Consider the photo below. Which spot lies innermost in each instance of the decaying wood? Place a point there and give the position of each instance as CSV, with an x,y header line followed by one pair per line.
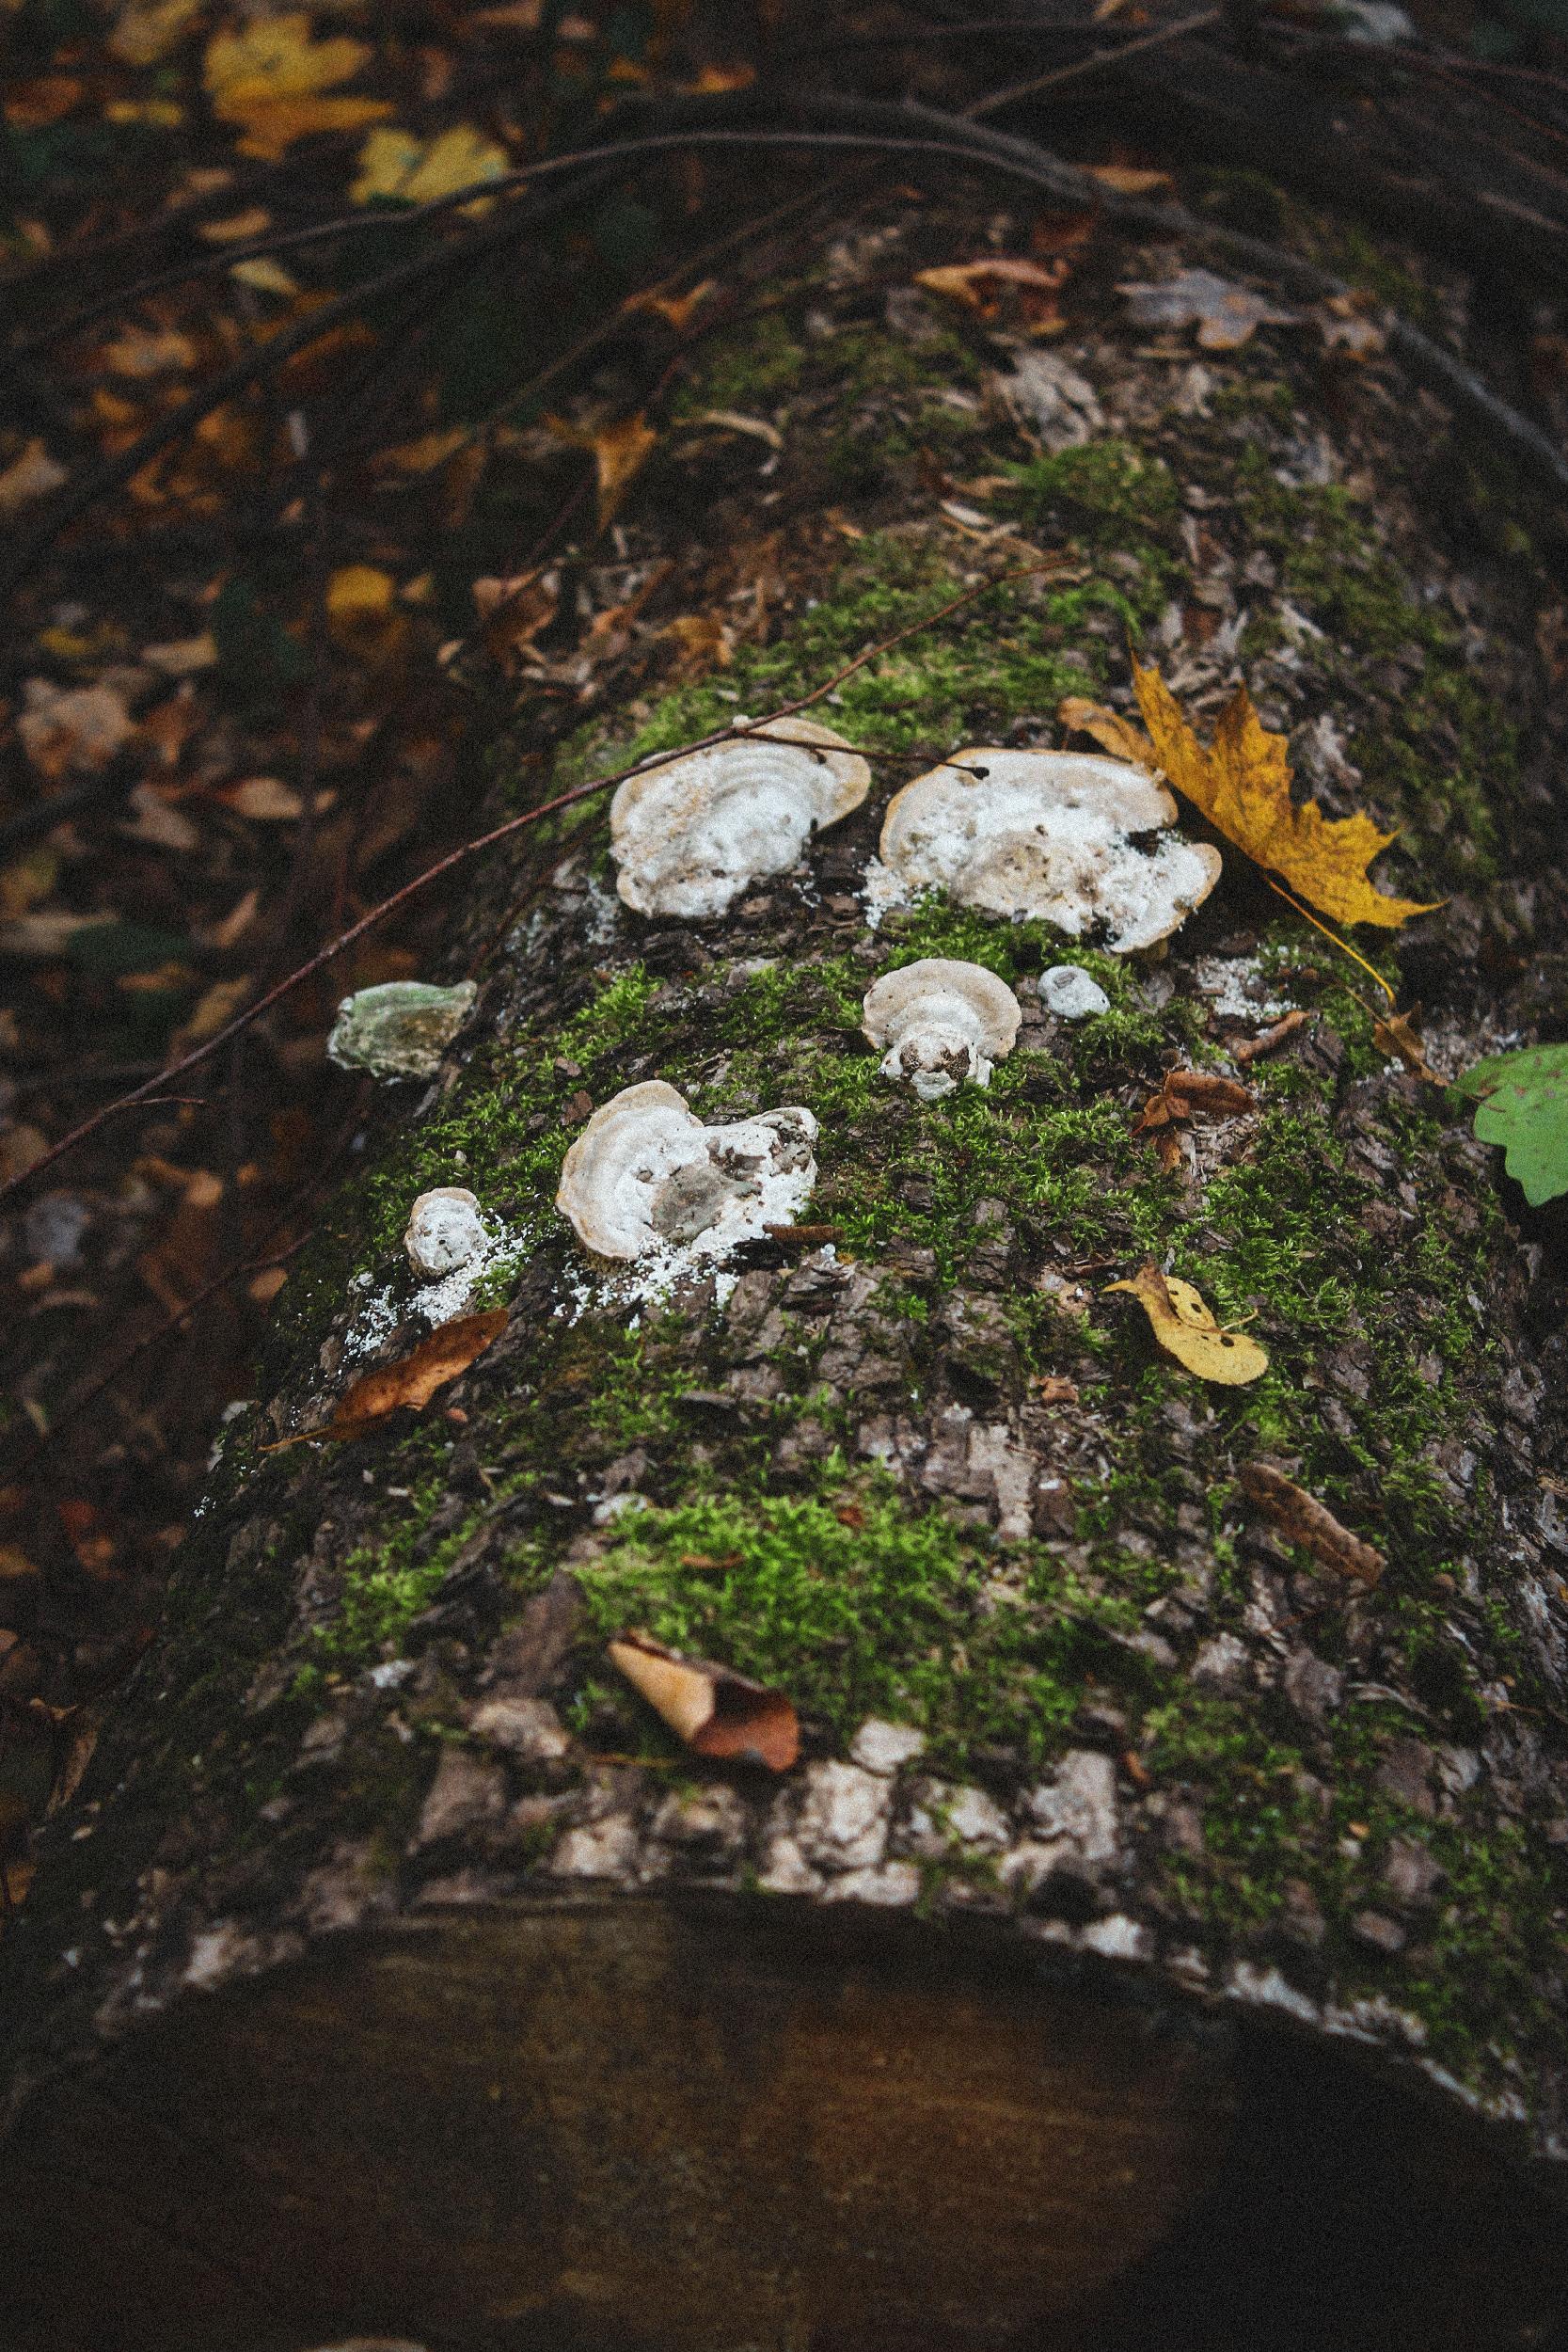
x,y
414,1983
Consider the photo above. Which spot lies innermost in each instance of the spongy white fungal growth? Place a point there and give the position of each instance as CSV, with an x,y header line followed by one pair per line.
x,y
646,1179
1047,835
445,1231
691,833
941,1022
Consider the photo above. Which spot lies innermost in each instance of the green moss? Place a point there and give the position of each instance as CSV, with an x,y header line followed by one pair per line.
x,y
996,661
854,1603
741,370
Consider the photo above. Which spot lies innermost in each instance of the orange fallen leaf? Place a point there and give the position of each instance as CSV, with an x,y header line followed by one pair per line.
x,y
1301,1519
1242,784
715,1711
978,284
676,310
620,452
1185,1328
32,105
411,1383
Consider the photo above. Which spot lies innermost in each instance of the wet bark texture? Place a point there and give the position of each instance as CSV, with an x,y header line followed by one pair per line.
x,y
1157,1921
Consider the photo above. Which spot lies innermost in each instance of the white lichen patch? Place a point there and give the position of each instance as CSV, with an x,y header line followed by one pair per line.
x,y
400,1030
1237,989
941,1023
1066,838
690,834
647,1183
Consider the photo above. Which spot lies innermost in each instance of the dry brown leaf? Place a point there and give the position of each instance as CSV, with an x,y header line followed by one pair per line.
x,y
1185,1328
1226,316
264,800
1270,1040
1301,1519
1192,1094
1123,738
411,1383
716,1711
1131,179
1395,1036
1242,784
31,476
515,610
71,731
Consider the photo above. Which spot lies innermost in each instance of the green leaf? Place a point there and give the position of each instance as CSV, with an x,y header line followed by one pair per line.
x,y
1526,1109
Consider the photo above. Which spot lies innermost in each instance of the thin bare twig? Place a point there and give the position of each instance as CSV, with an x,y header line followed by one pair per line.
x,y
1160,39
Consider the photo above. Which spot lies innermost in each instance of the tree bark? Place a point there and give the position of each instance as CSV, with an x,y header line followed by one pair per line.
x,y
1199,1952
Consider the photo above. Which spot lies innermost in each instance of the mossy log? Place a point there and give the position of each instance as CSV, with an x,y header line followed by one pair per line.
x,y
1160,1937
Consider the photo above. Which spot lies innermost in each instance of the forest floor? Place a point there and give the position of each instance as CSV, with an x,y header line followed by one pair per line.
x,y
254,684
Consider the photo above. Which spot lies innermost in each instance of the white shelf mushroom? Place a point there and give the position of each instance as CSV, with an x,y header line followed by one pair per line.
x,y
646,1175
941,1023
691,833
445,1231
1049,834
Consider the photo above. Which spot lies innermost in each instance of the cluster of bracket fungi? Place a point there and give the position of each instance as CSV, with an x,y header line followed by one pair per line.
x,y
1079,840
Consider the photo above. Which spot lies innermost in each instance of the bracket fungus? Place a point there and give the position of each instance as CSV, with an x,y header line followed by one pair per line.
x,y
399,1029
941,1023
1057,835
646,1176
445,1231
691,833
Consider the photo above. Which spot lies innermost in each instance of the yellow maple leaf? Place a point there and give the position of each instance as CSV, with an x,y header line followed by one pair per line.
x,y
1185,1328
394,162
1242,783
268,78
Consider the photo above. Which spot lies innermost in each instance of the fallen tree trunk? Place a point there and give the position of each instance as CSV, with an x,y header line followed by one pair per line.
x,y
1165,1916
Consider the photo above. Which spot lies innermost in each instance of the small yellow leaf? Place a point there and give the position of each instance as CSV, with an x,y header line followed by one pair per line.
x,y
1185,1328
1242,783
361,618
268,78
393,163
265,275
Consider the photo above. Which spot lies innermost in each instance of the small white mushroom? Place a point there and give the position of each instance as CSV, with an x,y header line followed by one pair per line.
x,y
941,1023
646,1175
445,1231
1071,993
1049,834
400,1030
691,833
